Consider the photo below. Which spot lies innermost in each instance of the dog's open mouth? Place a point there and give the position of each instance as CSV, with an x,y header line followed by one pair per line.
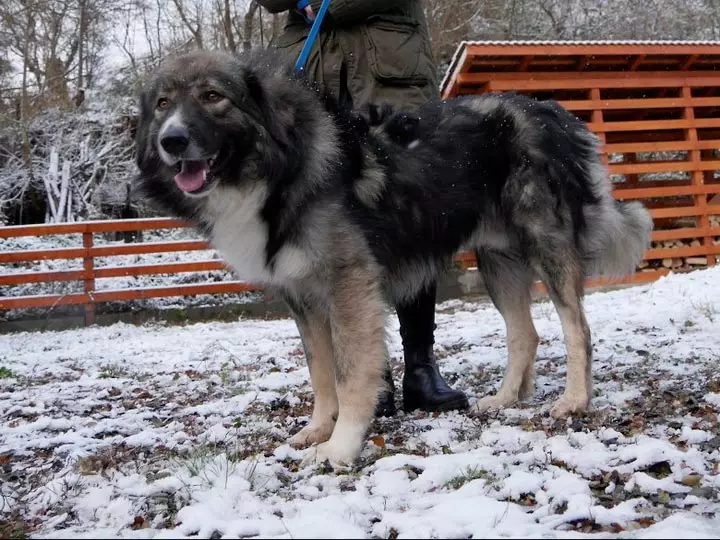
x,y
193,174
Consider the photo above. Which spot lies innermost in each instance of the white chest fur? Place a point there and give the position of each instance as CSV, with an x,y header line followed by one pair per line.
x,y
240,236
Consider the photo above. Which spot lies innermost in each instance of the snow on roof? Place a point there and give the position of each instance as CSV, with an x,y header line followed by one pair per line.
x,y
545,42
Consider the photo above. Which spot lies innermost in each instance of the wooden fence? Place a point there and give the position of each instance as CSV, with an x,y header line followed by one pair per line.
x,y
90,273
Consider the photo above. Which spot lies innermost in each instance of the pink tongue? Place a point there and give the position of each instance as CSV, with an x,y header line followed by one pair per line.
x,y
192,175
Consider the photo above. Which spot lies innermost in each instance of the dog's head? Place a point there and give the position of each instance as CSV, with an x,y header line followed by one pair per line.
x,y
203,115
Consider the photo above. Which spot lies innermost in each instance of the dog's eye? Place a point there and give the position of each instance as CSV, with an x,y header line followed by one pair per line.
x,y
163,103
211,96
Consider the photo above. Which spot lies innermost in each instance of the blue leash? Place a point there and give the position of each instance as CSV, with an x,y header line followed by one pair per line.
x,y
312,35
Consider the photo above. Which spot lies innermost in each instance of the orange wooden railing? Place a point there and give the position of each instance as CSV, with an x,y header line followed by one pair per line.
x,y
90,297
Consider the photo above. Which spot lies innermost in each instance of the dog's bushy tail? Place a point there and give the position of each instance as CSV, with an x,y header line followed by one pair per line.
x,y
616,233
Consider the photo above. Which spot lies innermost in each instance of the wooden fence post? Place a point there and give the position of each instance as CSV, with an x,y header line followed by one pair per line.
x,y
89,281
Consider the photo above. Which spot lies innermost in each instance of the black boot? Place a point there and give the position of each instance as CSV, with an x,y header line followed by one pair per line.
x,y
423,385
386,400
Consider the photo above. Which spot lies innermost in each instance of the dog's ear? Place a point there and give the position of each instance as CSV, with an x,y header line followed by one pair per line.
x,y
280,155
276,126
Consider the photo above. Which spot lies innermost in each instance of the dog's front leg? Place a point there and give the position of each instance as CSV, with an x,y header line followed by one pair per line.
x,y
357,319
317,341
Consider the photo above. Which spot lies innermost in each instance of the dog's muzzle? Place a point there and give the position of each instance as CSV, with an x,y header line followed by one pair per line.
x,y
192,164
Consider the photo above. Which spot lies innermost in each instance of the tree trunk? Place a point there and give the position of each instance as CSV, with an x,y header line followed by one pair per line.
x,y
228,27
81,45
24,91
247,34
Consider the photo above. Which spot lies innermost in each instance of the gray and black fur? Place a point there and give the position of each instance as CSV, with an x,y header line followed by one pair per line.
x,y
342,211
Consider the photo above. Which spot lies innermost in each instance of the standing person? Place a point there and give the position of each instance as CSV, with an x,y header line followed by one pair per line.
x,y
375,51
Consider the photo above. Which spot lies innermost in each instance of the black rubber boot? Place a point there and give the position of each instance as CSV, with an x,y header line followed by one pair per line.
x,y
386,400
423,385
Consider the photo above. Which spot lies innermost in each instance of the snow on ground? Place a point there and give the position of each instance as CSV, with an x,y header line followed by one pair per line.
x,y
179,431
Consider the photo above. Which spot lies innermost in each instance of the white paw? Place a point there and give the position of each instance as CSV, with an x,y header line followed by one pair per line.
x,y
568,405
311,434
498,401
339,455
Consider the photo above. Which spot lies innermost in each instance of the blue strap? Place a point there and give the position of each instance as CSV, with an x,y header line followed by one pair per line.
x,y
312,35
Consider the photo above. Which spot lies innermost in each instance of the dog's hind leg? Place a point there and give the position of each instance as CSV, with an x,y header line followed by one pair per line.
x,y
563,277
508,281
317,342
357,317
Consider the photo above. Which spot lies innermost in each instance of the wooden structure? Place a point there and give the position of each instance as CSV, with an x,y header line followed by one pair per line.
x,y
90,273
655,106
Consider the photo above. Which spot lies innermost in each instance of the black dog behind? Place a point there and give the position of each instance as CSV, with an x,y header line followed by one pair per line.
x,y
339,212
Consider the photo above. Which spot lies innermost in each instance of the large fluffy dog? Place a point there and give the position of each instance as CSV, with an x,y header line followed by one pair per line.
x,y
340,213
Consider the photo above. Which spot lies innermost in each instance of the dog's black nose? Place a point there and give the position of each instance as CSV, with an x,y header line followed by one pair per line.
x,y
175,140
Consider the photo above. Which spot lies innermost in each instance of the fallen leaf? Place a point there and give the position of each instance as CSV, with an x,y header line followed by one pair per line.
x,y
691,480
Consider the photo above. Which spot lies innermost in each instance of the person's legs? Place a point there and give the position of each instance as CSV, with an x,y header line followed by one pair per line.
x,y
423,385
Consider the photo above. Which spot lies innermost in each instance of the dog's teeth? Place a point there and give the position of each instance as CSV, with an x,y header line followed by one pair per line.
x,y
211,162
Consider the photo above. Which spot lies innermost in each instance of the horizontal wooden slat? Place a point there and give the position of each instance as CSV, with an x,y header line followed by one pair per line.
x,y
685,232
148,247
556,75
103,251
113,271
648,125
642,167
639,277
660,146
41,255
636,103
469,80
673,191
510,48
160,268
685,251
92,226
124,295
684,211
41,277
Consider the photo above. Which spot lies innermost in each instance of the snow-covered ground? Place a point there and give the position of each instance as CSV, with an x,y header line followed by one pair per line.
x,y
179,431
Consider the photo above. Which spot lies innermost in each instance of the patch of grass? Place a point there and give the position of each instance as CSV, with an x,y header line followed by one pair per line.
x,y
468,475
112,371
210,460
6,373
706,308
225,373
214,463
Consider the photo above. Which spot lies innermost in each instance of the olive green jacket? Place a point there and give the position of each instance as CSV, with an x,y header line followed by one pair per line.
x,y
379,49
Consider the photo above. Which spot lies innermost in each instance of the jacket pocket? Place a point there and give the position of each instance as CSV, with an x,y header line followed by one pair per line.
x,y
293,37
397,52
